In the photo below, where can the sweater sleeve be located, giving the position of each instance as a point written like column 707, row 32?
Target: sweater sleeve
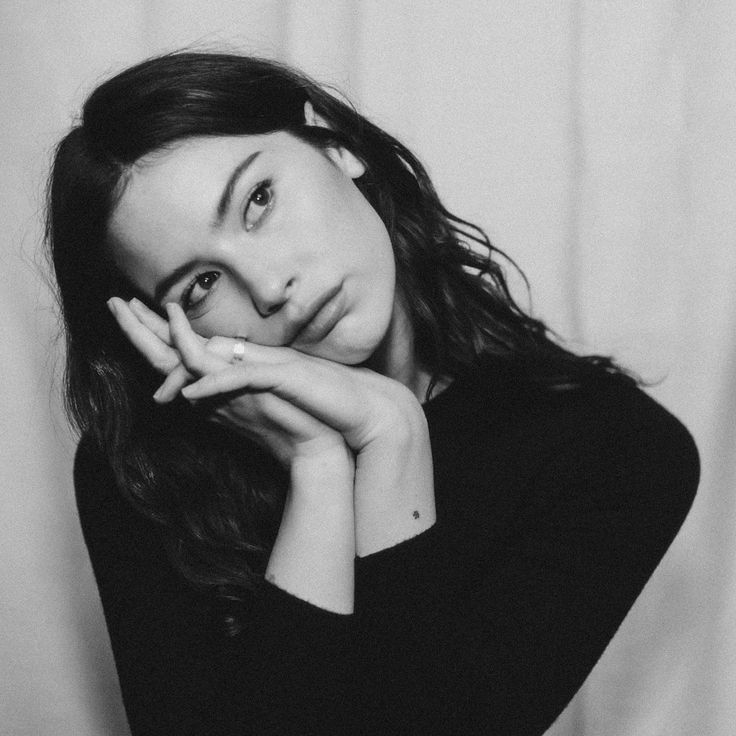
column 605, row 499
column 288, row 672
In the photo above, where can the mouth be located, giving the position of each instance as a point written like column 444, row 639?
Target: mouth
column 324, row 314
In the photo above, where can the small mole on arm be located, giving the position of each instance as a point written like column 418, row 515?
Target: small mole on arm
column 416, row 514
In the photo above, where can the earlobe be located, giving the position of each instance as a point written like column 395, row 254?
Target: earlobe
column 346, row 161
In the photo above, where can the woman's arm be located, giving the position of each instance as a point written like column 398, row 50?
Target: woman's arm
column 312, row 557
column 394, row 484
column 289, row 671
column 380, row 420
column 298, row 406
column 552, row 524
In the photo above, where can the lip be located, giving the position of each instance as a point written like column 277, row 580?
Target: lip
column 325, row 314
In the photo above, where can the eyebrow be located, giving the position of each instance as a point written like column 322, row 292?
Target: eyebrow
column 164, row 286
column 227, row 193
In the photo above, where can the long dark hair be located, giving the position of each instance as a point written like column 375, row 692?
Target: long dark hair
column 219, row 503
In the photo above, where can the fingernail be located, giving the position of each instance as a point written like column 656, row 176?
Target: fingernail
column 186, row 392
column 112, row 306
column 158, row 393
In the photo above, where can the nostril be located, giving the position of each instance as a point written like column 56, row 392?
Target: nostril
column 268, row 301
column 266, row 309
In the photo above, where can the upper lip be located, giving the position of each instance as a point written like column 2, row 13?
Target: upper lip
column 296, row 328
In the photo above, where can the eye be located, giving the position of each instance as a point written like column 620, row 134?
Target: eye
column 259, row 204
column 197, row 290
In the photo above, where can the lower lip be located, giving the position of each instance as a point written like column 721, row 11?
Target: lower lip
column 325, row 320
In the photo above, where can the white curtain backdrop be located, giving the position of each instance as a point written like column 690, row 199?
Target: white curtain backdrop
column 594, row 140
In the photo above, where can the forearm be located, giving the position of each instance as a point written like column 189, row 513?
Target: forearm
column 313, row 556
column 394, row 488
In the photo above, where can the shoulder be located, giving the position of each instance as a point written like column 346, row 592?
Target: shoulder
column 601, row 409
column 605, row 439
column 597, row 423
column 597, row 410
column 609, row 452
column 105, row 512
column 607, row 418
column 620, row 417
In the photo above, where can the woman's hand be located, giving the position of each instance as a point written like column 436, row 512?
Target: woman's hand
column 297, row 405
column 312, row 556
column 174, row 350
column 271, row 390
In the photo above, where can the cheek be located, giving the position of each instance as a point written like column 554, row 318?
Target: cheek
column 369, row 242
column 377, row 257
column 365, row 328
column 231, row 315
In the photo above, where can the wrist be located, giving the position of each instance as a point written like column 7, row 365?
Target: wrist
column 323, row 474
column 394, row 489
column 313, row 556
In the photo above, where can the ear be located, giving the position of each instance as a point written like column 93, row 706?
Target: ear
column 344, row 159
column 312, row 118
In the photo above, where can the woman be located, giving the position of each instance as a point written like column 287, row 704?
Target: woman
column 312, row 412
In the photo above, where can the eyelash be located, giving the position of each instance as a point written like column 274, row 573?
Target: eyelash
column 266, row 185
column 186, row 296
column 186, row 303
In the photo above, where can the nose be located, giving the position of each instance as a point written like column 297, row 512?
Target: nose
column 269, row 294
column 267, row 274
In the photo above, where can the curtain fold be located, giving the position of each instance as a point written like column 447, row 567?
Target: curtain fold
column 594, row 142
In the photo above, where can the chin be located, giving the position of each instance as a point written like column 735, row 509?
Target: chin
column 348, row 352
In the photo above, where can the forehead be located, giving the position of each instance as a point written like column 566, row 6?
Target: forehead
column 179, row 177
column 170, row 196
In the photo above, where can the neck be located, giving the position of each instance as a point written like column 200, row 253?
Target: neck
column 396, row 355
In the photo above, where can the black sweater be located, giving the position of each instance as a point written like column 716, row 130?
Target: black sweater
column 553, row 507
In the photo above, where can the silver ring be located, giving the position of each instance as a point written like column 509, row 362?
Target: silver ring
column 239, row 349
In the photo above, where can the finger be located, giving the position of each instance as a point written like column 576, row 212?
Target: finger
column 331, row 393
column 154, row 322
column 325, row 394
column 160, row 355
column 233, row 378
column 175, row 381
column 273, row 397
column 190, row 346
column 251, row 352
column 224, row 347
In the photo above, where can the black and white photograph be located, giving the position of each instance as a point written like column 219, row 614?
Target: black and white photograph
column 367, row 368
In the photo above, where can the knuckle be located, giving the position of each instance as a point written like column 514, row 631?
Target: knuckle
column 215, row 344
column 163, row 364
column 190, row 362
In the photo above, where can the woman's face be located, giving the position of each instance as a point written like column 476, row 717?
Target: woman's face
column 265, row 237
